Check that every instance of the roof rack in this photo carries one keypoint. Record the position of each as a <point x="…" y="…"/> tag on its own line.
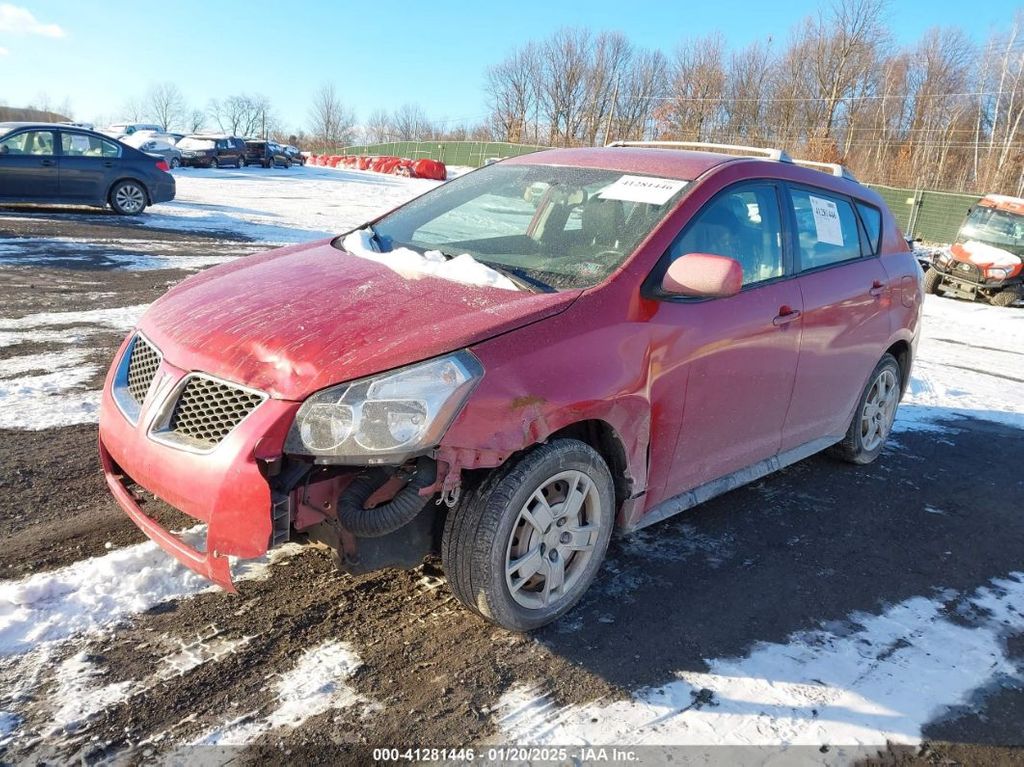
<point x="834" y="168"/>
<point x="771" y="154"/>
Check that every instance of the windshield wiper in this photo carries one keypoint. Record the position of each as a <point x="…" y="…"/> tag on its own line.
<point x="521" y="278"/>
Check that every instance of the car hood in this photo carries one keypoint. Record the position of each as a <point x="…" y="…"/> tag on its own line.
<point x="298" y="319"/>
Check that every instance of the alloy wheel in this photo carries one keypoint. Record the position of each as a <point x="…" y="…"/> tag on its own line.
<point x="552" y="540"/>
<point x="130" y="198"/>
<point x="879" y="410"/>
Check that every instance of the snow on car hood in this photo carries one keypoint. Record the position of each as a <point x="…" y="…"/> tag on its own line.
<point x="982" y="254"/>
<point x="298" y="319"/>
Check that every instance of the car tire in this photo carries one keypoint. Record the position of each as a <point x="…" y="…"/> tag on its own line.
<point x="522" y="512"/>
<point x="214" y="164"/>
<point x="174" y="163"/>
<point x="128" y="198"/>
<point x="287" y="164"/>
<point x="932" y="280"/>
<point x="1006" y="297"/>
<point x="873" y="419"/>
<point x="241" y="163"/>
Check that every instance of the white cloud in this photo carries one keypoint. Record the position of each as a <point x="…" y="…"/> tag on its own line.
<point x="21" y="21"/>
<point x="3" y="51"/>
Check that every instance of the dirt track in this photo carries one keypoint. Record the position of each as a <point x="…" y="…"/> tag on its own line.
<point x="806" y="547"/>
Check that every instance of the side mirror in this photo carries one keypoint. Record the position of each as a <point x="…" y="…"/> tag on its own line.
<point x="703" y="275"/>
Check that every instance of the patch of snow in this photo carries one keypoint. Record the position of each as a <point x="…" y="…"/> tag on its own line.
<point x="78" y="694"/>
<point x="93" y="593"/>
<point x="49" y="399"/>
<point x="27" y="363"/>
<point x="881" y="682"/>
<point x="120" y="318"/>
<point x="316" y="684"/>
<point x="412" y="265"/>
<point x="194" y="654"/>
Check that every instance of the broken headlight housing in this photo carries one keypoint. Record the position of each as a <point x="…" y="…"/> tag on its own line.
<point x="385" y="418"/>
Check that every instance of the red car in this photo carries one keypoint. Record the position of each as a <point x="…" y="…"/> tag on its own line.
<point x="510" y="366"/>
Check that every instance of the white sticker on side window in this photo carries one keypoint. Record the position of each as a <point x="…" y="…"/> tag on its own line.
<point x="826" y="221"/>
<point x="654" y="191"/>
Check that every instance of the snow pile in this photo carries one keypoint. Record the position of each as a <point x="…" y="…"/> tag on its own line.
<point x="121" y="318"/>
<point x="881" y="682"/>
<point x="316" y="684"/>
<point x="93" y="593"/>
<point x="412" y="265"/>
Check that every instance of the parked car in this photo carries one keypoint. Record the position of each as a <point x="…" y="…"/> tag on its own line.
<point x="661" y="327"/>
<point x="117" y="130"/>
<point x="986" y="260"/>
<point x="265" y="153"/>
<point x="296" y="156"/>
<point x="160" y="148"/>
<point x="200" y="151"/>
<point x="51" y="163"/>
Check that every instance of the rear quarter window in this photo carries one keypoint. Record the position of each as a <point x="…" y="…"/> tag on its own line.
<point x="871" y="217"/>
<point x="826" y="229"/>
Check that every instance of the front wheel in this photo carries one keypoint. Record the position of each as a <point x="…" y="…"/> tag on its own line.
<point x="241" y="163"/>
<point x="932" y="280"/>
<point x="175" y="162"/>
<point x="1006" y="297"/>
<point x="128" y="198"/>
<point x="526" y="544"/>
<point x="876" y="412"/>
<point x="214" y="163"/>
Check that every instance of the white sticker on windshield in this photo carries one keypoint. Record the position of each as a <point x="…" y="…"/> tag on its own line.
<point x="654" y="191"/>
<point x="826" y="221"/>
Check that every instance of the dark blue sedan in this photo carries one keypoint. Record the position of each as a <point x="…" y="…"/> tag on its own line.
<point x="49" y="163"/>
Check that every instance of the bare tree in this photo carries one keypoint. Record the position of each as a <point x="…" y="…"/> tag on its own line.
<point x="378" y="127"/>
<point x="410" y="123"/>
<point x="564" y="63"/>
<point x="196" y="121"/>
<point x="331" y="122"/>
<point x="243" y="115"/>
<point x="511" y="88"/>
<point x="694" y="110"/>
<point x="165" y="105"/>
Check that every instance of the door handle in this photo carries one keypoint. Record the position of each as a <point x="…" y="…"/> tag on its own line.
<point x="108" y="164"/>
<point x="785" y="316"/>
<point x="877" y="289"/>
<point x="46" y="163"/>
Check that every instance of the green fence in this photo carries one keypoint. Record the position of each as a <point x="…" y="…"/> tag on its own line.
<point x="471" y="153"/>
<point x="932" y="216"/>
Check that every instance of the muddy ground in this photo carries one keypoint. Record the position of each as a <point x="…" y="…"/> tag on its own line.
<point x="811" y="544"/>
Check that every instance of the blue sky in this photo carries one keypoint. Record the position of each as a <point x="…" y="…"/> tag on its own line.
<point x="99" y="53"/>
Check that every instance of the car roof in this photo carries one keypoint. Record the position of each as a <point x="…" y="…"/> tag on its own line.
<point x="688" y="165"/>
<point x="5" y="127"/>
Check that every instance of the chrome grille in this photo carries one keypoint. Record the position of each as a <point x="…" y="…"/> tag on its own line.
<point x="142" y="366"/>
<point x="207" y="410"/>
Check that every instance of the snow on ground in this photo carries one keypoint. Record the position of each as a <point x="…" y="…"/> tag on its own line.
<point x="48" y="389"/>
<point x="95" y="593"/>
<point x="128" y="253"/>
<point x="316" y="684"/>
<point x="880" y="682"/>
<point x="279" y="205"/>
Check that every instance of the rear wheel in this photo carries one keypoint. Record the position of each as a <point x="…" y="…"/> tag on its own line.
<point x="1007" y="297"/>
<point x="932" y="280"/>
<point x="128" y="198"/>
<point x="523" y="548"/>
<point x="214" y="164"/>
<point x="175" y="162"/>
<point x="241" y="162"/>
<point x="876" y="411"/>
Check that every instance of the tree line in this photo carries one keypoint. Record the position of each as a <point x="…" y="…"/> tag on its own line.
<point x="944" y="112"/>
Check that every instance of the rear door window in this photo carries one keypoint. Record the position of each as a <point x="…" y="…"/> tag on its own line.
<point x="82" y="145"/>
<point x="826" y="228"/>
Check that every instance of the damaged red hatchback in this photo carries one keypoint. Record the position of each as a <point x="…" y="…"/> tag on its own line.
<point x="505" y="369"/>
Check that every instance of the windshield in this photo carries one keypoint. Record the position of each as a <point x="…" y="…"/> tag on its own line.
<point x="555" y="226"/>
<point x="998" y="228"/>
<point x="195" y="143"/>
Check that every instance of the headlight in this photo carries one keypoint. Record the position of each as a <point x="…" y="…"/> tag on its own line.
<point x="997" y="273"/>
<point x="387" y="417"/>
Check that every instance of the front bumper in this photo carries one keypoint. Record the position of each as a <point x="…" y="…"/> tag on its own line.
<point x="223" y="488"/>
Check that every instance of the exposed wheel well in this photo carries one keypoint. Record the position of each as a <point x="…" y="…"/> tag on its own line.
<point x="601" y="436"/>
<point x="901" y="351"/>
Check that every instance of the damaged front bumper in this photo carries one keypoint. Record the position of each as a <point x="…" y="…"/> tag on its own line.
<point x="223" y="487"/>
